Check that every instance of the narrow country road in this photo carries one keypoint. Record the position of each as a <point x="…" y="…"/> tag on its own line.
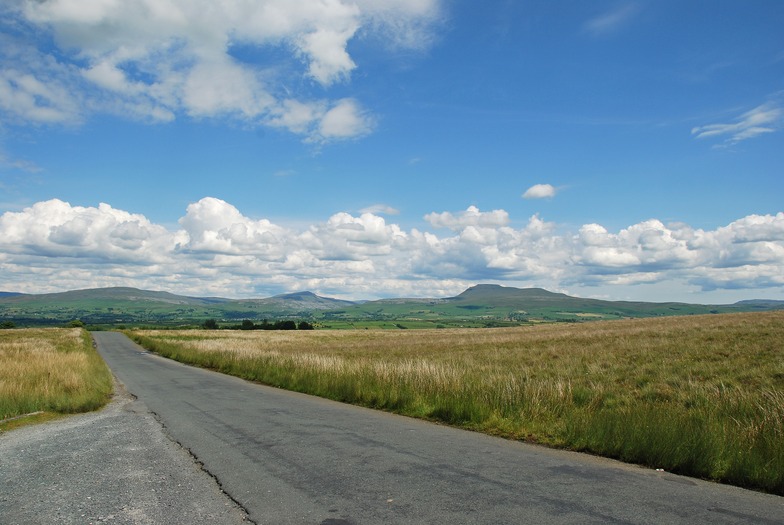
<point x="114" y="466"/>
<point x="290" y="458"/>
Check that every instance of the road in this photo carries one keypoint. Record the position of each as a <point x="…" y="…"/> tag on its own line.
<point x="288" y="458"/>
<point x="113" y="466"/>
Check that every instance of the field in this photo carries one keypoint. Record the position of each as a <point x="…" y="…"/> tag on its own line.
<point x="49" y="371"/>
<point x="697" y="395"/>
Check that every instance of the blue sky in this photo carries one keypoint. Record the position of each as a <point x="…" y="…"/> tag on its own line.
<point x="363" y="149"/>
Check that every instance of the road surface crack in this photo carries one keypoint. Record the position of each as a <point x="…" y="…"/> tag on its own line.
<point x="199" y="463"/>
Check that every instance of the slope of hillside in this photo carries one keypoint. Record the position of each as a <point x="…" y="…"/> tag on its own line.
<point x="299" y="301"/>
<point x="122" y="305"/>
<point x="481" y="305"/>
<point x="494" y="305"/>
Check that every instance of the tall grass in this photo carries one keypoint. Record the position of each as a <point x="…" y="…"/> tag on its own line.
<point x="701" y="395"/>
<point x="50" y="370"/>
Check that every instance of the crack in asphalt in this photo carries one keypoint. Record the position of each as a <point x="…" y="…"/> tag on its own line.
<point x="199" y="463"/>
<point x="116" y="465"/>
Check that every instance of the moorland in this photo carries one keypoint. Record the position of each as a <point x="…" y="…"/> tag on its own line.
<point x="698" y="395"/>
<point x="46" y="372"/>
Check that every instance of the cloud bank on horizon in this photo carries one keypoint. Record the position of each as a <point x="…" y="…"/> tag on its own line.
<point x="217" y="250"/>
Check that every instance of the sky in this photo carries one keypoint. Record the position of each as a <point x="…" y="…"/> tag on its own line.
<point x="362" y="149"/>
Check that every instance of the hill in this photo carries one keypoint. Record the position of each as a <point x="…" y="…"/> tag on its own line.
<point x="121" y="305"/>
<point x="761" y="304"/>
<point x="481" y="305"/>
<point x="494" y="305"/>
<point x="298" y="301"/>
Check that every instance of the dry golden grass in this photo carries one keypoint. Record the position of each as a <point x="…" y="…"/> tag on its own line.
<point x="50" y="370"/>
<point x="703" y="395"/>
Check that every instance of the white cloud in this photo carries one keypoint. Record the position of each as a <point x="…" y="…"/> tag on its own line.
<point x="470" y="217"/>
<point x="319" y="122"/>
<point x="54" y="229"/>
<point x="215" y="226"/>
<point x="217" y="250"/>
<point x="223" y="87"/>
<point x="156" y="61"/>
<point x="540" y="191"/>
<point x="763" y="119"/>
<point x="381" y="209"/>
<point x="344" y="120"/>
<point x="25" y="96"/>
<point x="332" y="62"/>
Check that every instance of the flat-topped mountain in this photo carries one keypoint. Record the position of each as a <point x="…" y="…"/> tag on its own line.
<point x="497" y="293"/>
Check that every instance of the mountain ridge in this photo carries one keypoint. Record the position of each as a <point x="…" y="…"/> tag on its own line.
<point x="479" y="305"/>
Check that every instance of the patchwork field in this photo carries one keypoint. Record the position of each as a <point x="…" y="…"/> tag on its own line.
<point x="698" y="395"/>
<point x="50" y="371"/>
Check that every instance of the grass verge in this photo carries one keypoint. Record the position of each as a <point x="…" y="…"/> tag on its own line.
<point x="697" y="395"/>
<point x="50" y="370"/>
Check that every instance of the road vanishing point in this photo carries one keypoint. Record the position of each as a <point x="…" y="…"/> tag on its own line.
<point x="289" y="458"/>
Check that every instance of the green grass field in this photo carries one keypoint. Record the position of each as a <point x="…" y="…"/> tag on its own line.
<point x="50" y="370"/>
<point x="697" y="395"/>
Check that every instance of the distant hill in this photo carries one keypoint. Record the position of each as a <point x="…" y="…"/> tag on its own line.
<point x="298" y="301"/>
<point x="494" y="305"/>
<point x="481" y="305"/>
<point x="540" y="299"/>
<point x="765" y="304"/>
<point x="119" y="294"/>
<point x="484" y="294"/>
<point x="123" y="305"/>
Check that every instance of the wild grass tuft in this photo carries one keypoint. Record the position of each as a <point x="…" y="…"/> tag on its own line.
<point x="698" y="395"/>
<point x="50" y="370"/>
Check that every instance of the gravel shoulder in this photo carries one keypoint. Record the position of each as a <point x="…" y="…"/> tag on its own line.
<point x="116" y="465"/>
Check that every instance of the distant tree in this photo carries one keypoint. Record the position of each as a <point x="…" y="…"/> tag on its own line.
<point x="286" y="325"/>
<point x="7" y="324"/>
<point x="304" y="325"/>
<point x="76" y="323"/>
<point x="210" y="324"/>
<point x="247" y="324"/>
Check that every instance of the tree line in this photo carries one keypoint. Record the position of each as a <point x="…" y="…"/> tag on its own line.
<point x="247" y="324"/>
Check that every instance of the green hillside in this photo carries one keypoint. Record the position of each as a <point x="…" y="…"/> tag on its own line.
<point x="494" y="305"/>
<point x="481" y="305"/>
<point x="124" y="306"/>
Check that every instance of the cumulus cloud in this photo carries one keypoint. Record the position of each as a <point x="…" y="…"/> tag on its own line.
<point x="540" y="191"/>
<point x="217" y="250"/>
<point x="55" y="229"/>
<point x="763" y="119"/>
<point x="157" y="61"/>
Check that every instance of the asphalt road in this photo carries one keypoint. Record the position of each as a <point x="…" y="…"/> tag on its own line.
<point x="290" y="458"/>
<point x="114" y="466"/>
